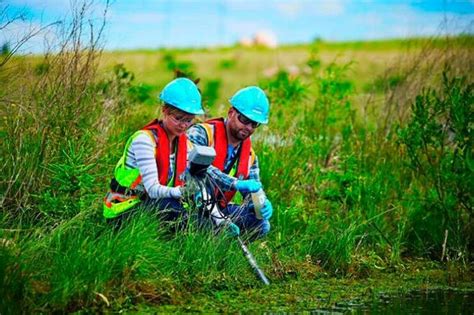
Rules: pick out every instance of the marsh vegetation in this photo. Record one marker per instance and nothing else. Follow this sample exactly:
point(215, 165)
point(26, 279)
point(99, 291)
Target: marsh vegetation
point(368, 161)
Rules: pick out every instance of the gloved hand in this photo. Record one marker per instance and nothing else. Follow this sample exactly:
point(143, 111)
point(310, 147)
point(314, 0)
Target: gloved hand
point(267, 210)
point(232, 229)
point(247, 186)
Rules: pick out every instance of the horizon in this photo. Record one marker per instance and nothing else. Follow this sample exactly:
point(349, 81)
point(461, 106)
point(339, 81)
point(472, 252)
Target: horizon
point(399, 40)
point(188, 24)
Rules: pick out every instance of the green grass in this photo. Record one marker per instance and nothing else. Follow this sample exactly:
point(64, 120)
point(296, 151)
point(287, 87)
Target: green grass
point(368, 166)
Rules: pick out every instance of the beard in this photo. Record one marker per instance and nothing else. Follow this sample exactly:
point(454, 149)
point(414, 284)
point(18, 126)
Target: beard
point(240, 134)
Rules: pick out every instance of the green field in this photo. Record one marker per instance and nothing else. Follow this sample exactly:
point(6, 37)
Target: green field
point(237, 67)
point(367, 159)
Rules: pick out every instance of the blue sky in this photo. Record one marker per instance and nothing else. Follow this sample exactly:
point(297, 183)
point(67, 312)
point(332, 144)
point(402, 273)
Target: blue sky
point(192, 23)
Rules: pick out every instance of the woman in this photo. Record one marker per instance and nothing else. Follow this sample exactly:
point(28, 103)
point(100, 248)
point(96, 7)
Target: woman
point(151, 170)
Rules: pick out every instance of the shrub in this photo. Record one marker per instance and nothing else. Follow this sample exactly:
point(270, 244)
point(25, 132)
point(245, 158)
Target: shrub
point(438, 139)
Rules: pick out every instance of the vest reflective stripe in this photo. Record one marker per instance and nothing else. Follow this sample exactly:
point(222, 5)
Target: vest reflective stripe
point(126, 177)
point(220, 145)
point(210, 138)
point(116, 203)
point(162, 154)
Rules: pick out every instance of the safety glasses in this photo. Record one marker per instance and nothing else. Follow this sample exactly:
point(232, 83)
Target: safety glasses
point(182, 120)
point(244, 120)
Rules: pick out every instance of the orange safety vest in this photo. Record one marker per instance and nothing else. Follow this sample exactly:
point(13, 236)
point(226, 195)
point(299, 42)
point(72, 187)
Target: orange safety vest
point(220, 145)
point(162, 154)
point(122, 198)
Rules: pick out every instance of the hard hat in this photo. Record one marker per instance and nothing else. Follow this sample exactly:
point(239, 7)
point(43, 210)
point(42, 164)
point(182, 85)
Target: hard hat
point(183, 94)
point(252, 103)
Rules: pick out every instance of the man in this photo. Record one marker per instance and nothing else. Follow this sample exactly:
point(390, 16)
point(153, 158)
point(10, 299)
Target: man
point(235, 167)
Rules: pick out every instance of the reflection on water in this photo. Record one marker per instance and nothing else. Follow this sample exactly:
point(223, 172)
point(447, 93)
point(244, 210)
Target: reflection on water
point(415, 302)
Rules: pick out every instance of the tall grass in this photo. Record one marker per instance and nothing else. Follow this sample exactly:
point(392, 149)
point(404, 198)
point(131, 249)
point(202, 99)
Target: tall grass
point(50, 110)
point(351, 193)
point(345, 188)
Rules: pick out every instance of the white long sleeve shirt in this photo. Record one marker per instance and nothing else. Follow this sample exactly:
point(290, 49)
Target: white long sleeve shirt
point(141, 155)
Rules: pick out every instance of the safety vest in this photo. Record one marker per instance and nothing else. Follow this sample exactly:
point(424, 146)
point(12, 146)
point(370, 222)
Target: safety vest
point(245, 157)
point(162, 154)
point(123, 196)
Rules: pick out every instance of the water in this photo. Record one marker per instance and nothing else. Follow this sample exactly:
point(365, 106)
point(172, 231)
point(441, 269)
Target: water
point(415, 302)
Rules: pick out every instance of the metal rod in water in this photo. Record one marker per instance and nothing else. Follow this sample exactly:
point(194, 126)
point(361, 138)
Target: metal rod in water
point(253, 262)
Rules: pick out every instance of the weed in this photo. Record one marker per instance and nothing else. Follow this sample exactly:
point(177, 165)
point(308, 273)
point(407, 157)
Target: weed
point(438, 140)
point(185, 67)
point(352, 195)
point(227, 64)
point(211, 93)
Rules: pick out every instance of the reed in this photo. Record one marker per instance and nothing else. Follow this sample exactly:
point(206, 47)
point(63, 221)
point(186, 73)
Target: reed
point(353, 193)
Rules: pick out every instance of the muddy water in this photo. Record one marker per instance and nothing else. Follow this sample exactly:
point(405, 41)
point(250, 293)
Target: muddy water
point(416, 302)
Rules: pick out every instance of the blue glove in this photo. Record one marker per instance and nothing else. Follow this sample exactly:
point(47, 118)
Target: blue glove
point(267, 210)
point(232, 229)
point(248, 186)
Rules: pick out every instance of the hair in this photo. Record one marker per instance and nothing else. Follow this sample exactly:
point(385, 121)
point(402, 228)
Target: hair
point(180, 74)
point(170, 109)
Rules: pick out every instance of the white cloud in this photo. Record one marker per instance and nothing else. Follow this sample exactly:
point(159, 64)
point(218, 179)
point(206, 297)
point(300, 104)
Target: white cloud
point(42, 3)
point(330, 8)
point(369, 18)
point(64, 6)
point(245, 5)
point(315, 8)
point(244, 28)
point(290, 9)
point(18, 30)
point(148, 18)
point(405, 21)
point(32, 36)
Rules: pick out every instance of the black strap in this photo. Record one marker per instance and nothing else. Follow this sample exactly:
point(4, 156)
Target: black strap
point(116, 187)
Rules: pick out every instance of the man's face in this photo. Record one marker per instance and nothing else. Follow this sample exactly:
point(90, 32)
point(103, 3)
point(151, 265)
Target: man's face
point(240, 126)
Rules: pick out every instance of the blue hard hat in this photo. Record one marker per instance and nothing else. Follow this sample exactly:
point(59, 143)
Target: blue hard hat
point(183, 94)
point(253, 103)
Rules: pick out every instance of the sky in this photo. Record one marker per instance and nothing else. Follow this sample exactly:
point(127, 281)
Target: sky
point(192, 23)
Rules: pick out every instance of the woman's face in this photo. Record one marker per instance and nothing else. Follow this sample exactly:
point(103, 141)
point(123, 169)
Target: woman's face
point(176, 121)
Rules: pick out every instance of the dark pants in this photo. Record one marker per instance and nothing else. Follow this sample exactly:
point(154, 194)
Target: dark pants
point(170, 212)
point(244, 217)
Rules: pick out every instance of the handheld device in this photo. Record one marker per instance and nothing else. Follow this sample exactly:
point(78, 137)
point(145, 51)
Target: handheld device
point(200, 158)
